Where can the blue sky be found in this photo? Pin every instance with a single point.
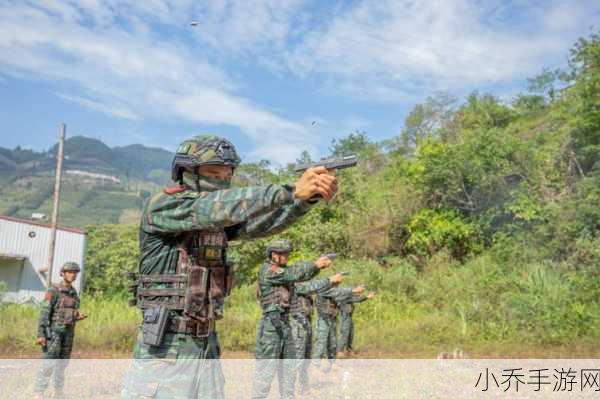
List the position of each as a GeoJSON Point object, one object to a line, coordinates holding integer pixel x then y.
{"type": "Point", "coordinates": [261, 71]}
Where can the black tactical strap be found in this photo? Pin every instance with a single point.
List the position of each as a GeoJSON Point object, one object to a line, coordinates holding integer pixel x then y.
{"type": "Point", "coordinates": [144, 303]}
{"type": "Point", "coordinates": [142, 292]}
{"type": "Point", "coordinates": [162, 278]}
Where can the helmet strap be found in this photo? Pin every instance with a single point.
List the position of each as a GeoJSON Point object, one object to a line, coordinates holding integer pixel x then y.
{"type": "Point", "coordinates": [203, 183]}
{"type": "Point", "coordinates": [197, 179]}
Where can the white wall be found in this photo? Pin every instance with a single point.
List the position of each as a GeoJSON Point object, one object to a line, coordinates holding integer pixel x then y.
{"type": "Point", "coordinates": [15, 240]}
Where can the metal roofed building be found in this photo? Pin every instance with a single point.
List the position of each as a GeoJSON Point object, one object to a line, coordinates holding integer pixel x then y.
{"type": "Point", "coordinates": [24, 253]}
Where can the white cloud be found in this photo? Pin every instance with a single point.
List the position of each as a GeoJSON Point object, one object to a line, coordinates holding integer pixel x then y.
{"type": "Point", "coordinates": [386, 50]}
{"type": "Point", "coordinates": [242, 27]}
{"type": "Point", "coordinates": [109, 109]}
{"type": "Point", "coordinates": [114, 60]}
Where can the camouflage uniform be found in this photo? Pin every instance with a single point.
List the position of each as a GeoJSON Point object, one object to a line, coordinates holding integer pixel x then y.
{"type": "Point", "coordinates": [57, 325]}
{"type": "Point", "coordinates": [301, 323]}
{"type": "Point", "coordinates": [327, 311]}
{"type": "Point", "coordinates": [183, 240]}
{"type": "Point", "coordinates": [274, 339]}
{"type": "Point", "coordinates": [346, 322]}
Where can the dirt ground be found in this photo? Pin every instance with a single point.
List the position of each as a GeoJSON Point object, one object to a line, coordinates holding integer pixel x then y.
{"type": "Point", "coordinates": [574, 352]}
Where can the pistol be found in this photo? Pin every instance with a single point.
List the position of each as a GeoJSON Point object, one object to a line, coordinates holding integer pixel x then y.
{"type": "Point", "coordinates": [331, 256]}
{"type": "Point", "coordinates": [330, 163]}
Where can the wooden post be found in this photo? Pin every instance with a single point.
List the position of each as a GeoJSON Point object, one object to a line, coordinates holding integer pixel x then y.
{"type": "Point", "coordinates": [59, 161]}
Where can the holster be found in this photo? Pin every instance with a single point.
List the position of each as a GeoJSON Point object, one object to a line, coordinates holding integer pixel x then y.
{"type": "Point", "coordinates": [154, 325]}
{"type": "Point", "coordinates": [276, 320]}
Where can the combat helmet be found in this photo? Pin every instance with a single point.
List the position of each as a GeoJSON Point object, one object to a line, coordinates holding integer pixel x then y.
{"type": "Point", "coordinates": [279, 246]}
{"type": "Point", "coordinates": [203, 150]}
{"type": "Point", "coordinates": [70, 267]}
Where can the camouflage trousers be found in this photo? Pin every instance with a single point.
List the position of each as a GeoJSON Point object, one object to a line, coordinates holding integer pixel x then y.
{"type": "Point", "coordinates": [58, 349]}
{"type": "Point", "coordinates": [302, 336]}
{"type": "Point", "coordinates": [325, 337]}
{"type": "Point", "coordinates": [274, 343]}
{"type": "Point", "coordinates": [181, 367]}
{"type": "Point", "coordinates": [346, 331]}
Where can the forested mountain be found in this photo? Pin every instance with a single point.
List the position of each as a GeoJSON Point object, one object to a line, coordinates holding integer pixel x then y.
{"type": "Point", "coordinates": [100, 184]}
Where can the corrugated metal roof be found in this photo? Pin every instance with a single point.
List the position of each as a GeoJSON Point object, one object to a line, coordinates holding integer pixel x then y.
{"type": "Point", "coordinates": [17, 220]}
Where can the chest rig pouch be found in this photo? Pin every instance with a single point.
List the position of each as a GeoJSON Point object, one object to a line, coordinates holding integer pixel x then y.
{"type": "Point", "coordinates": [327, 307]}
{"type": "Point", "coordinates": [195, 293]}
{"type": "Point", "coordinates": [66, 308]}
{"type": "Point", "coordinates": [202, 259]}
{"type": "Point", "coordinates": [279, 295]}
{"type": "Point", "coordinates": [301, 306]}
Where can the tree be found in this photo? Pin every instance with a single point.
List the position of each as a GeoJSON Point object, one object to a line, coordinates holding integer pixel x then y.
{"type": "Point", "coordinates": [355, 143]}
{"type": "Point", "coordinates": [543, 83]}
{"type": "Point", "coordinates": [426, 119]}
{"type": "Point", "coordinates": [304, 158]}
{"type": "Point", "coordinates": [483, 111]}
{"type": "Point", "coordinates": [584, 109]}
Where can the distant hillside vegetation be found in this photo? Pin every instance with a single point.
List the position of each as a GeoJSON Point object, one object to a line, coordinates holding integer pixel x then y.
{"type": "Point", "coordinates": [100, 184]}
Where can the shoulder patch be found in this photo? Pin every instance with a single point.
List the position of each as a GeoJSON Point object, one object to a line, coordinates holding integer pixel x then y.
{"type": "Point", "coordinates": [175, 189]}
{"type": "Point", "coordinates": [48, 295]}
{"type": "Point", "coordinates": [276, 269]}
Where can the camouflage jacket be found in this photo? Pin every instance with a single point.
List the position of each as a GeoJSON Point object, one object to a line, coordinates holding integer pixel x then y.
{"type": "Point", "coordinates": [347, 307]}
{"type": "Point", "coordinates": [276, 284]}
{"type": "Point", "coordinates": [241, 212]}
{"type": "Point", "coordinates": [302, 302]}
{"type": "Point", "coordinates": [328, 300]}
{"type": "Point", "coordinates": [49, 316]}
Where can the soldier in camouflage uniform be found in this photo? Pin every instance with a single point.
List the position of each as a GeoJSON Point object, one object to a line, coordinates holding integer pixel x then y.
{"type": "Point", "coordinates": [274, 341]}
{"type": "Point", "coordinates": [347, 324]}
{"type": "Point", "coordinates": [327, 311]}
{"type": "Point", "coordinates": [56, 329]}
{"type": "Point", "coordinates": [301, 310]}
{"type": "Point", "coordinates": [183, 270]}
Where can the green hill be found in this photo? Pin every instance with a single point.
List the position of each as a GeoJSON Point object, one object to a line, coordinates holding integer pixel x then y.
{"type": "Point", "coordinates": [100, 184]}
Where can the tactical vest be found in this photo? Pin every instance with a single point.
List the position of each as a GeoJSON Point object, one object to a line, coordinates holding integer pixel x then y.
{"type": "Point", "coordinates": [197, 290]}
{"type": "Point", "coordinates": [65, 310]}
{"type": "Point", "coordinates": [278, 295]}
{"type": "Point", "coordinates": [327, 307]}
{"type": "Point", "coordinates": [302, 305]}
{"type": "Point", "coordinates": [347, 308]}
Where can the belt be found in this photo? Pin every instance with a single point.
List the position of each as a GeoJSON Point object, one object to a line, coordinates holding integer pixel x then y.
{"type": "Point", "coordinates": [192, 327]}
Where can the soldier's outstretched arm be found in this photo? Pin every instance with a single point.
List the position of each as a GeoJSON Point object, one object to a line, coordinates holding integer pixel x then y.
{"type": "Point", "coordinates": [358, 298]}
{"type": "Point", "coordinates": [339, 294]}
{"type": "Point", "coordinates": [190, 211]}
{"type": "Point", "coordinates": [272, 222]}
{"type": "Point", "coordinates": [312, 286]}
{"type": "Point", "coordinates": [314, 184]}
{"type": "Point", "coordinates": [300, 271]}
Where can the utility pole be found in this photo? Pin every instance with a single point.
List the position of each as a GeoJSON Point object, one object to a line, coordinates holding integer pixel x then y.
{"type": "Point", "coordinates": [59, 161]}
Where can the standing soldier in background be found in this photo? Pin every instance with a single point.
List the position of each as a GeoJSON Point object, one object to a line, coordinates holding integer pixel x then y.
{"type": "Point", "coordinates": [347, 324]}
{"type": "Point", "coordinates": [274, 339]}
{"type": "Point", "coordinates": [183, 273]}
{"type": "Point", "coordinates": [56, 330]}
{"type": "Point", "coordinates": [327, 311]}
{"type": "Point", "coordinates": [301, 310]}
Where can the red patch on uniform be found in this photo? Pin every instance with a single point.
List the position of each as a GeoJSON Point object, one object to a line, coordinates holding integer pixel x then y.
{"type": "Point", "coordinates": [48, 296]}
{"type": "Point", "coordinates": [274, 267]}
{"type": "Point", "coordinates": [175, 189]}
